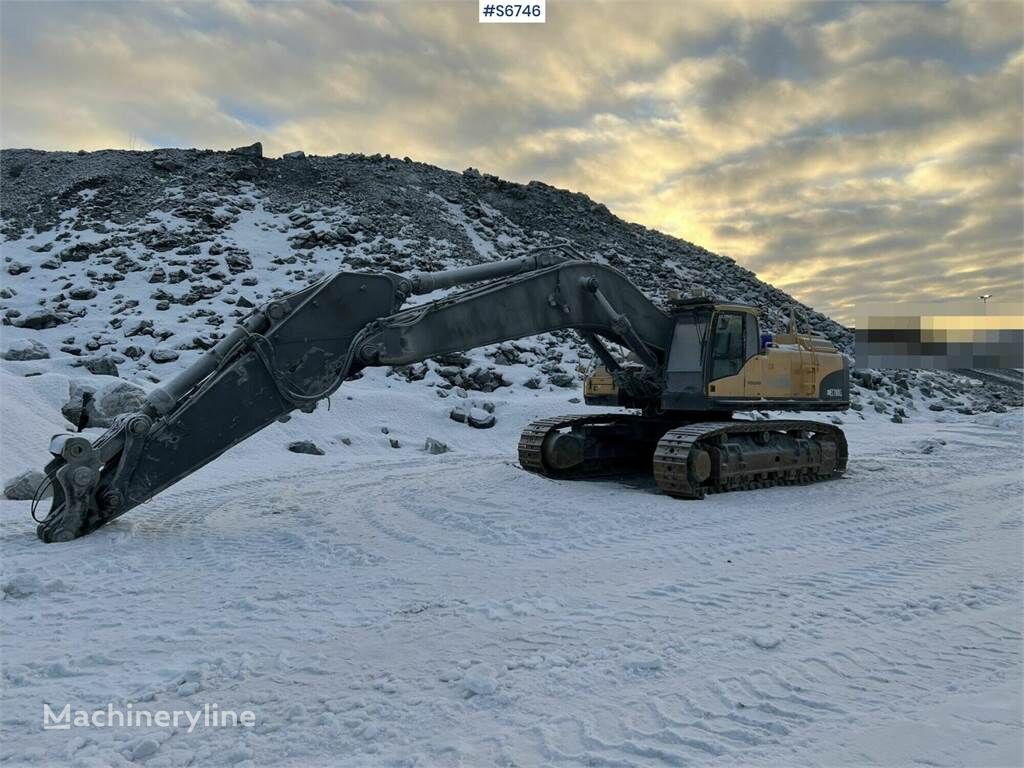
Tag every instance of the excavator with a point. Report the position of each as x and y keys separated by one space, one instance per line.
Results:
x=678 y=377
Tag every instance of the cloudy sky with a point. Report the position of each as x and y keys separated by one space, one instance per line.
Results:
x=844 y=152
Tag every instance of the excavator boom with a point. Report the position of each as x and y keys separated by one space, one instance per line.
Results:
x=298 y=349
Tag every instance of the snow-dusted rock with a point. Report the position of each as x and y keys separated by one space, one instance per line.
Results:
x=305 y=446
x=25 y=349
x=89 y=405
x=21 y=585
x=435 y=447
x=117 y=398
x=101 y=366
x=163 y=355
x=43 y=319
x=82 y=292
x=480 y=418
x=765 y=640
x=23 y=486
x=480 y=680
x=561 y=378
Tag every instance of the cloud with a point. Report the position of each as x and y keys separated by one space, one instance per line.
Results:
x=846 y=152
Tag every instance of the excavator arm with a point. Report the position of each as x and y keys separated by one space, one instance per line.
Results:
x=298 y=349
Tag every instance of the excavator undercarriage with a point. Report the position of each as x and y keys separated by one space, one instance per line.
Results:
x=688 y=460
x=688 y=371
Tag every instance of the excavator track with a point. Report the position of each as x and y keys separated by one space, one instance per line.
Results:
x=599 y=444
x=716 y=457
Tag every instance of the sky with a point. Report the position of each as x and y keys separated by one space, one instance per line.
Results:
x=844 y=152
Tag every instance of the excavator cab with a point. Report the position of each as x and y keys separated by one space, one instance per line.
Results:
x=719 y=360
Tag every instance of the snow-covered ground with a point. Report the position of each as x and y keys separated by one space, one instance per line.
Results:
x=386 y=606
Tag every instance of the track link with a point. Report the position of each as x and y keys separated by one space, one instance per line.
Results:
x=708 y=457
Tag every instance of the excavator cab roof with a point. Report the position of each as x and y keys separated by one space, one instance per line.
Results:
x=677 y=306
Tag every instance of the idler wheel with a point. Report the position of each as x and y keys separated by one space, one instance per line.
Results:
x=562 y=450
x=699 y=464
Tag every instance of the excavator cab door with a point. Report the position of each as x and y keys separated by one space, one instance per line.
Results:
x=727 y=348
x=734 y=369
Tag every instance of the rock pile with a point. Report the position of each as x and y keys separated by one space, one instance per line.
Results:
x=132 y=263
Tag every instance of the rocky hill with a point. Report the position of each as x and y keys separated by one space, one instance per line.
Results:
x=131 y=263
x=157 y=208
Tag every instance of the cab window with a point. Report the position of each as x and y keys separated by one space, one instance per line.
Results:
x=727 y=355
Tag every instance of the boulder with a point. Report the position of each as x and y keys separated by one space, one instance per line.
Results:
x=455 y=359
x=79 y=404
x=101 y=366
x=305 y=446
x=435 y=447
x=42 y=320
x=117 y=398
x=253 y=150
x=484 y=380
x=23 y=486
x=92 y=406
x=415 y=372
x=237 y=261
x=25 y=349
x=480 y=418
x=560 y=378
x=163 y=163
x=140 y=328
x=82 y=251
x=82 y=292
x=163 y=355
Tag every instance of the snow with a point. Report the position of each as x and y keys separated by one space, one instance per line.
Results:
x=457 y=215
x=382 y=606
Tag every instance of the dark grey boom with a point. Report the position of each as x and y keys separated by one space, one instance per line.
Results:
x=298 y=349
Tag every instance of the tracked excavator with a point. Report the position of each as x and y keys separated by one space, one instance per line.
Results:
x=687 y=372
